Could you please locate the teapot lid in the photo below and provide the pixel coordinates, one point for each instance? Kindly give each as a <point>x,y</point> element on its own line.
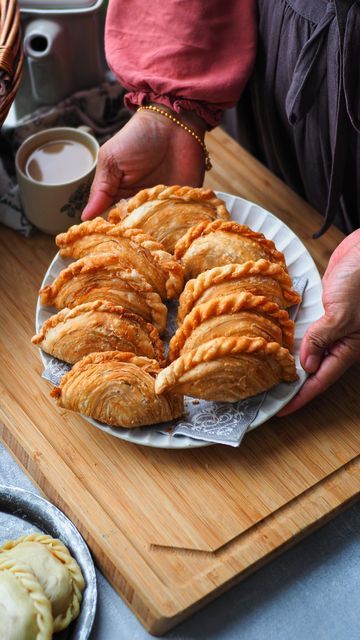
<point>68,6</point>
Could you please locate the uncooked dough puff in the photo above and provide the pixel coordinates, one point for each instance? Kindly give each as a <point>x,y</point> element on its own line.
<point>57,571</point>
<point>25,611</point>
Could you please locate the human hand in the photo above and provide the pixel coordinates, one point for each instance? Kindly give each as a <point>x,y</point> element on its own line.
<point>332,343</point>
<point>148,150</point>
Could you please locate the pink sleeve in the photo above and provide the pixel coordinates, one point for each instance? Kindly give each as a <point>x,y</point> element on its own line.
<point>193,54</point>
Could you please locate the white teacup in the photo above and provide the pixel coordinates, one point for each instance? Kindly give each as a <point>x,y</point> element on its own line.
<point>55,169</point>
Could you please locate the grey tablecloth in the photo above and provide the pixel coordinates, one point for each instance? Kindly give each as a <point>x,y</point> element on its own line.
<point>310,592</point>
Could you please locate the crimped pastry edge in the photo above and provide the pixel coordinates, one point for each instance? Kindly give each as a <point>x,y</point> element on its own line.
<point>86,265</point>
<point>231,304</point>
<point>195,287</point>
<point>41,603</point>
<point>153,251</point>
<point>89,227</point>
<point>228,226</point>
<point>61,552</point>
<point>224,347</point>
<point>174,192</point>
<point>106,307</point>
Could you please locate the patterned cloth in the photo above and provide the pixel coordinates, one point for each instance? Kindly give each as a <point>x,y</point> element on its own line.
<point>101,108</point>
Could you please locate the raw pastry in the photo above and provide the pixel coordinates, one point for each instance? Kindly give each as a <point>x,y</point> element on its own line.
<point>228,369</point>
<point>55,569</point>
<point>212,244</point>
<point>159,268</point>
<point>117,389</point>
<point>260,278</point>
<point>100,278</point>
<point>25,611</point>
<point>238,314</point>
<point>167,212</point>
<point>73,333</point>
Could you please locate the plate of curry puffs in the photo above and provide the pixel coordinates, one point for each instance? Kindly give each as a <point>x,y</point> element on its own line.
<point>181,295</point>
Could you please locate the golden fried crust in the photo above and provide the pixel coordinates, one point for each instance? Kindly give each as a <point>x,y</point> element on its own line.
<point>45,555</point>
<point>118,389</point>
<point>98,326</point>
<point>162,192</point>
<point>135,250</point>
<point>145,239</point>
<point>167,212</point>
<point>25,609</point>
<point>231,227</point>
<point>228,369</point>
<point>235,306</point>
<point>253,276</point>
<point>77,231</point>
<point>99,277</point>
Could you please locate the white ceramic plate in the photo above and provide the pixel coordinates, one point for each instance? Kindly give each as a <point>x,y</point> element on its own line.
<point>299,263</point>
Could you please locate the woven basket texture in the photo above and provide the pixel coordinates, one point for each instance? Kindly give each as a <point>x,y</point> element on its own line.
<point>11,54</point>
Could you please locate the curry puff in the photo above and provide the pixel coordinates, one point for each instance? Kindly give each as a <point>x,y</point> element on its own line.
<point>213,244</point>
<point>73,333</point>
<point>237,314</point>
<point>118,389</point>
<point>100,277</point>
<point>228,369</point>
<point>259,277</point>
<point>166,213</point>
<point>133,250</point>
<point>56,570</point>
<point>25,609</point>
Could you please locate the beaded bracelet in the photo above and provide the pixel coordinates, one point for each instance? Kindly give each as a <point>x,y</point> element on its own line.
<point>169,116</point>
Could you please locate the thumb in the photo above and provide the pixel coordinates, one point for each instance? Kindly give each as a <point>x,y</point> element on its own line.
<point>104,188</point>
<point>319,337</point>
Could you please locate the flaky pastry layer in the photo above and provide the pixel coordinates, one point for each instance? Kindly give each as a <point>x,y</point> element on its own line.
<point>73,333</point>
<point>213,244</point>
<point>236,308</point>
<point>135,250</point>
<point>118,389</point>
<point>228,369</point>
<point>257,277</point>
<point>167,212</point>
<point>99,277</point>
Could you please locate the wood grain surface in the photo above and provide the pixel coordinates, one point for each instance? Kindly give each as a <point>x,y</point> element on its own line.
<point>174,529</point>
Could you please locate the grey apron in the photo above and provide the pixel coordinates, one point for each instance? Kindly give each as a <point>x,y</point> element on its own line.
<point>305,102</point>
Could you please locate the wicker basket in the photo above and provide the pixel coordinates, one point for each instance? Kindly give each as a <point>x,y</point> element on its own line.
<point>11,54</point>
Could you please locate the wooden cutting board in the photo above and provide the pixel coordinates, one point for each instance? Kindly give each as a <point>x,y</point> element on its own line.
<point>173,529</point>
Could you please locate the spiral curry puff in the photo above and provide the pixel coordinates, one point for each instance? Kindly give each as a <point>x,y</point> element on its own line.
<point>234,340</point>
<point>41,587</point>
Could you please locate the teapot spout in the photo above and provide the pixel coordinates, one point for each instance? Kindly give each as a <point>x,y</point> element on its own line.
<point>47,61</point>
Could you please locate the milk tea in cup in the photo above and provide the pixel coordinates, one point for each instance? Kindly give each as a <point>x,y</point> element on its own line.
<point>55,169</point>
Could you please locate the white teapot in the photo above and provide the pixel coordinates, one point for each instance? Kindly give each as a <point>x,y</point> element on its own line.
<point>64,50</point>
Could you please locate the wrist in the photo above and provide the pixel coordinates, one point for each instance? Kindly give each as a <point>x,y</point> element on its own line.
<point>172,117</point>
<point>187,117</point>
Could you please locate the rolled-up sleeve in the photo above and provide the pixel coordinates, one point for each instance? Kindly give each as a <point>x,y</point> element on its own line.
<point>185,54</point>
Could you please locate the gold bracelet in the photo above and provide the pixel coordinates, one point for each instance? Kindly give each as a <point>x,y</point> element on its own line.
<point>167,115</point>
